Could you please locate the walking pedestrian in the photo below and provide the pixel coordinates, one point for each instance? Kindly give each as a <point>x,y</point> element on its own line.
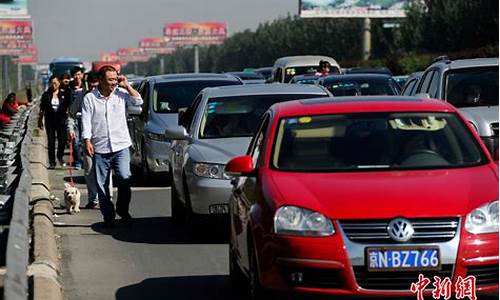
<point>107,139</point>
<point>53,111</point>
<point>88,166</point>
<point>78,90</point>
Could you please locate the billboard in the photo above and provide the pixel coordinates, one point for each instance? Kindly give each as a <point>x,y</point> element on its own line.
<point>13,8</point>
<point>109,57</point>
<point>29,57</point>
<point>157,45</point>
<point>15,36</point>
<point>352,8</point>
<point>191,33</point>
<point>132,55</point>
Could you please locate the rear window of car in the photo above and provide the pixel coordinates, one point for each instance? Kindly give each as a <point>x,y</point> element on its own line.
<point>170,96</point>
<point>472,87</point>
<point>239,116</point>
<point>362,87</point>
<point>378,141</point>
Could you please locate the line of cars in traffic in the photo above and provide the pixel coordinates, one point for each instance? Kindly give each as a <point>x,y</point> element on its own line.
<point>327,191</point>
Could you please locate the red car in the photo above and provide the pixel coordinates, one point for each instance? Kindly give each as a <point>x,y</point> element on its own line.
<point>359,196</point>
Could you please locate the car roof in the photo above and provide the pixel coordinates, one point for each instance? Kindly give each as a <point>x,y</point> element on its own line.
<point>192,77</point>
<point>467,63</point>
<point>303,60</point>
<point>263,89</point>
<point>363,104</point>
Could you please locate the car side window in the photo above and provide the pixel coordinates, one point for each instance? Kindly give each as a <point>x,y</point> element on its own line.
<point>258,141</point>
<point>188,116</point>
<point>433,87</point>
<point>409,87</point>
<point>144,91</point>
<point>424,88</point>
<point>277,75</point>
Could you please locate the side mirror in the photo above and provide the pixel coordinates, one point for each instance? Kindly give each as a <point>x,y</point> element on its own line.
<point>240,166</point>
<point>176,133</point>
<point>134,110</point>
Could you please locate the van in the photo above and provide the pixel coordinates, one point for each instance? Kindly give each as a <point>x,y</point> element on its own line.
<point>286,67</point>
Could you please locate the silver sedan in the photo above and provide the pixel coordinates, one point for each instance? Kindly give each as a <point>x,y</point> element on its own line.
<point>216,127</point>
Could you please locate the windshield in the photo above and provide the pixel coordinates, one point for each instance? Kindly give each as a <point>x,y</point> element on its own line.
<point>362,86</point>
<point>169,97</point>
<point>374,141</point>
<point>472,87</point>
<point>59,69</point>
<point>239,116</point>
<point>294,71</point>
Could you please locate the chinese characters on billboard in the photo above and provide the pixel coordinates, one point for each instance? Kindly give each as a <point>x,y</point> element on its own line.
<point>16,39</point>
<point>128,55</point>
<point>190,33</point>
<point>352,8</point>
<point>157,45</point>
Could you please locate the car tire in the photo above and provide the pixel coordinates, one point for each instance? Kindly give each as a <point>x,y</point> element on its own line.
<point>190,218</point>
<point>178,210</point>
<point>144,166</point>
<point>255,290</point>
<point>236,275</point>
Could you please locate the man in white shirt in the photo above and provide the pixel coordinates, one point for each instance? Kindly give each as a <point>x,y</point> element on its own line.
<point>107,139</point>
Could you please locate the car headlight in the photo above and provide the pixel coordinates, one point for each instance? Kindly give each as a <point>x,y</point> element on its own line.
<point>293,220</point>
<point>157,137</point>
<point>208,170</point>
<point>483,219</point>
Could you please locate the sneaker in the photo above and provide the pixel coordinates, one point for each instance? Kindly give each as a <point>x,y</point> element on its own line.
<point>62,163</point>
<point>78,167</point>
<point>92,205</point>
<point>52,166</point>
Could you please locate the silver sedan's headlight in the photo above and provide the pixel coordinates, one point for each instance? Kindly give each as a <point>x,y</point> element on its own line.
<point>293,220</point>
<point>208,170</point>
<point>483,219</point>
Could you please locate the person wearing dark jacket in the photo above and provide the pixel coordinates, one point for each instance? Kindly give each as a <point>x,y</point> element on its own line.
<point>53,111</point>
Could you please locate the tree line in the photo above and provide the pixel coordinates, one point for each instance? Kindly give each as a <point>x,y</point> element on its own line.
<point>459,28</point>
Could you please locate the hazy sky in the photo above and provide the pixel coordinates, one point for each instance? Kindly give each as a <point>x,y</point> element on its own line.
<point>86,28</point>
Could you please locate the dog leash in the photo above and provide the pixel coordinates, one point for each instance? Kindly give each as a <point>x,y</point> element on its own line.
<point>71,161</point>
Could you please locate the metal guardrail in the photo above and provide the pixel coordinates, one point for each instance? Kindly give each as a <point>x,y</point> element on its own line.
<point>15,188</point>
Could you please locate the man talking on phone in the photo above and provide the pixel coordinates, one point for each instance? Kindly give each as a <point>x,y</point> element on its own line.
<point>107,140</point>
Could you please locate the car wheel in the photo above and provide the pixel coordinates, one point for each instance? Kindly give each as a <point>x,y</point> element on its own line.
<point>190,217</point>
<point>144,165</point>
<point>256,291</point>
<point>236,276</point>
<point>177,208</point>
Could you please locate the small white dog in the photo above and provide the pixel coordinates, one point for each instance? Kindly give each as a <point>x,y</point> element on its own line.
<point>71,198</point>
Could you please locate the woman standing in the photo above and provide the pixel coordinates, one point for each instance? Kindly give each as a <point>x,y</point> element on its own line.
<point>53,109</point>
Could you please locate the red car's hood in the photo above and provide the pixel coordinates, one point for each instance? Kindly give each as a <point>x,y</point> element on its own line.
<point>411,194</point>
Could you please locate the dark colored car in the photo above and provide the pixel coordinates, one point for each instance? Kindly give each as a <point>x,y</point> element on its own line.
<point>360,85</point>
<point>164,96</point>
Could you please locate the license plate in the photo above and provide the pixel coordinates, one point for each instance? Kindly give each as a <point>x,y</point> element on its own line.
<point>396,258</point>
<point>218,209</point>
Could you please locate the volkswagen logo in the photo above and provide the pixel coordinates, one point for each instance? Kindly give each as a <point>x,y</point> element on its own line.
<point>400,230</point>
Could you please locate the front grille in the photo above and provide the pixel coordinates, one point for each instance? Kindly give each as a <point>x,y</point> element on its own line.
<point>319,278</point>
<point>494,128</point>
<point>395,280</point>
<point>485,275</point>
<point>375,231</point>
